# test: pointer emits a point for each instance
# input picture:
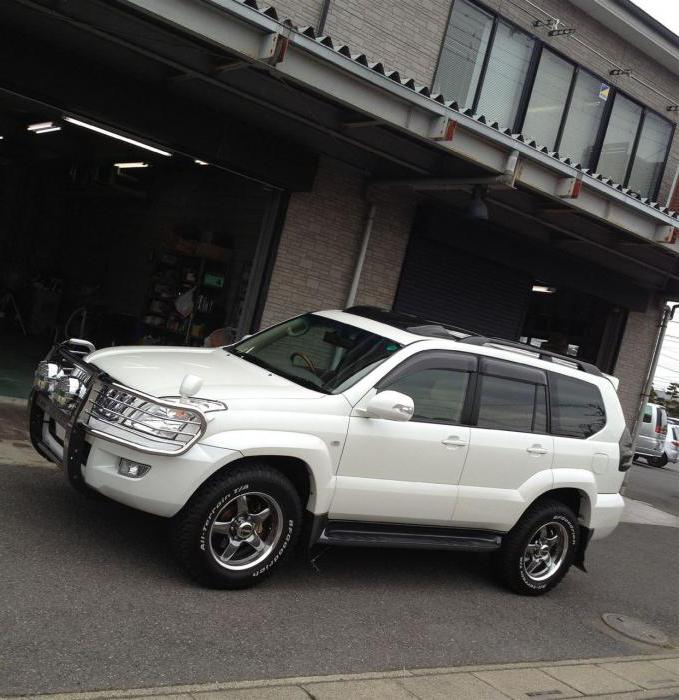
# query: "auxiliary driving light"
(46, 376)
(134, 470)
(67, 391)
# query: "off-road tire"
(191, 528)
(510, 558)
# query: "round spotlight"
(46, 376)
(67, 391)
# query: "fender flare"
(310, 449)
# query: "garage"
(117, 240)
(477, 275)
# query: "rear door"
(578, 416)
(508, 447)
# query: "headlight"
(46, 376)
(162, 421)
(67, 391)
(205, 405)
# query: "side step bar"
(359, 534)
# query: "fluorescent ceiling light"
(47, 131)
(113, 135)
(197, 161)
(541, 289)
(42, 126)
(131, 165)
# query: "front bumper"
(89, 458)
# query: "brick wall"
(404, 35)
(634, 358)
(320, 243)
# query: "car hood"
(159, 371)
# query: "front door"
(408, 472)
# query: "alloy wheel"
(245, 531)
(545, 552)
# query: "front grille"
(128, 417)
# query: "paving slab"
(359, 690)
(291, 692)
(590, 679)
(644, 673)
(451, 685)
(671, 665)
(526, 683)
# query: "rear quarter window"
(577, 408)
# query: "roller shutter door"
(442, 283)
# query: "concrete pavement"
(648, 676)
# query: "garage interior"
(113, 242)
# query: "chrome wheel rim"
(545, 552)
(245, 531)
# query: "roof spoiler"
(613, 380)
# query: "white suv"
(372, 428)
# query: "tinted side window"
(438, 394)
(506, 404)
(647, 414)
(577, 407)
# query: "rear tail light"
(660, 430)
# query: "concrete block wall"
(320, 243)
(634, 357)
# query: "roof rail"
(547, 355)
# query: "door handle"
(537, 450)
(453, 441)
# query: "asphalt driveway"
(90, 597)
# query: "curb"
(616, 667)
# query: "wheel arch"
(296, 469)
(575, 498)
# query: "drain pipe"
(423, 184)
(367, 230)
(668, 315)
(320, 27)
(452, 183)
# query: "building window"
(505, 75)
(464, 52)
(548, 99)
(487, 64)
(584, 119)
(618, 144)
(649, 159)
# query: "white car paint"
(361, 468)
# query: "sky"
(666, 12)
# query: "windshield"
(317, 352)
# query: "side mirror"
(390, 405)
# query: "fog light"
(134, 470)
